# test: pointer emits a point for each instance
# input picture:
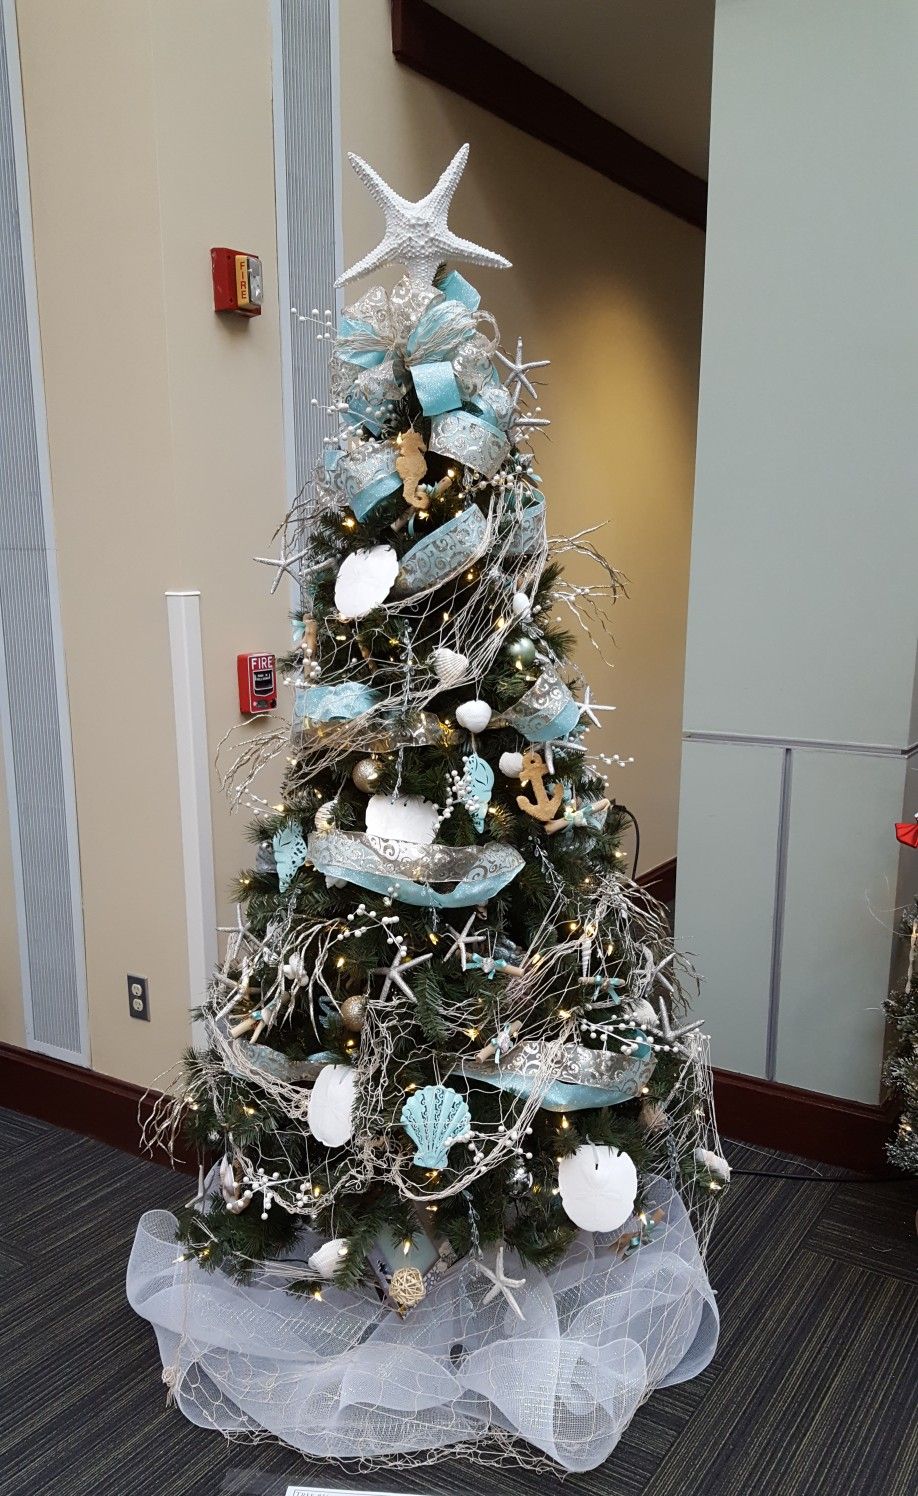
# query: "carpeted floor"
(812, 1391)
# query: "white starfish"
(417, 235)
(518, 377)
(589, 708)
(462, 938)
(502, 1284)
(548, 750)
(672, 1035)
(394, 977)
(283, 563)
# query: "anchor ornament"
(545, 806)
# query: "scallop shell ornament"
(450, 667)
(598, 1187)
(435, 1118)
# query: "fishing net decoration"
(495, 1357)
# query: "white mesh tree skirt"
(346, 1378)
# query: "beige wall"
(609, 288)
(150, 139)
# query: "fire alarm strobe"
(237, 282)
(257, 683)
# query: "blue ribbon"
(456, 288)
(374, 493)
(333, 703)
(436, 387)
(362, 358)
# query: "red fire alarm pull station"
(257, 683)
(237, 282)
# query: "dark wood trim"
(830, 1129)
(438, 47)
(660, 881)
(98, 1106)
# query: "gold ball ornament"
(365, 774)
(406, 1288)
(354, 1012)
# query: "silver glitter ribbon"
(576, 1079)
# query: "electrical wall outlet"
(139, 997)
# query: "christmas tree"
(901, 1072)
(449, 1076)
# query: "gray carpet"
(811, 1393)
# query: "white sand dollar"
(598, 1187)
(331, 1104)
(408, 818)
(474, 716)
(511, 764)
(365, 580)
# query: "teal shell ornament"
(289, 853)
(435, 1118)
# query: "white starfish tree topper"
(417, 235)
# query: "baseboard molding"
(83, 1101)
(829, 1129)
(436, 46)
(661, 881)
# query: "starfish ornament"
(672, 1035)
(393, 975)
(417, 235)
(502, 1284)
(518, 377)
(462, 938)
(589, 708)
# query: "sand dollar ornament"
(365, 580)
(598, 1187)
(331, 1104)
(407, 818)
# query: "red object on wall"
(907, 833)
(237, 282)
(257, 683)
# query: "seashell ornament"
(435, 1118)
(450, 667)
(511, 764)
(326, 1259)
(474, 716)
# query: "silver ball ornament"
(523, 651)
(354, 1012)
(365, 774)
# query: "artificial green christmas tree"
(458, 1109)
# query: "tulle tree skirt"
(346, 1378)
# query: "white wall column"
(800, 703)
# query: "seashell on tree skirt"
(327, 1259)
